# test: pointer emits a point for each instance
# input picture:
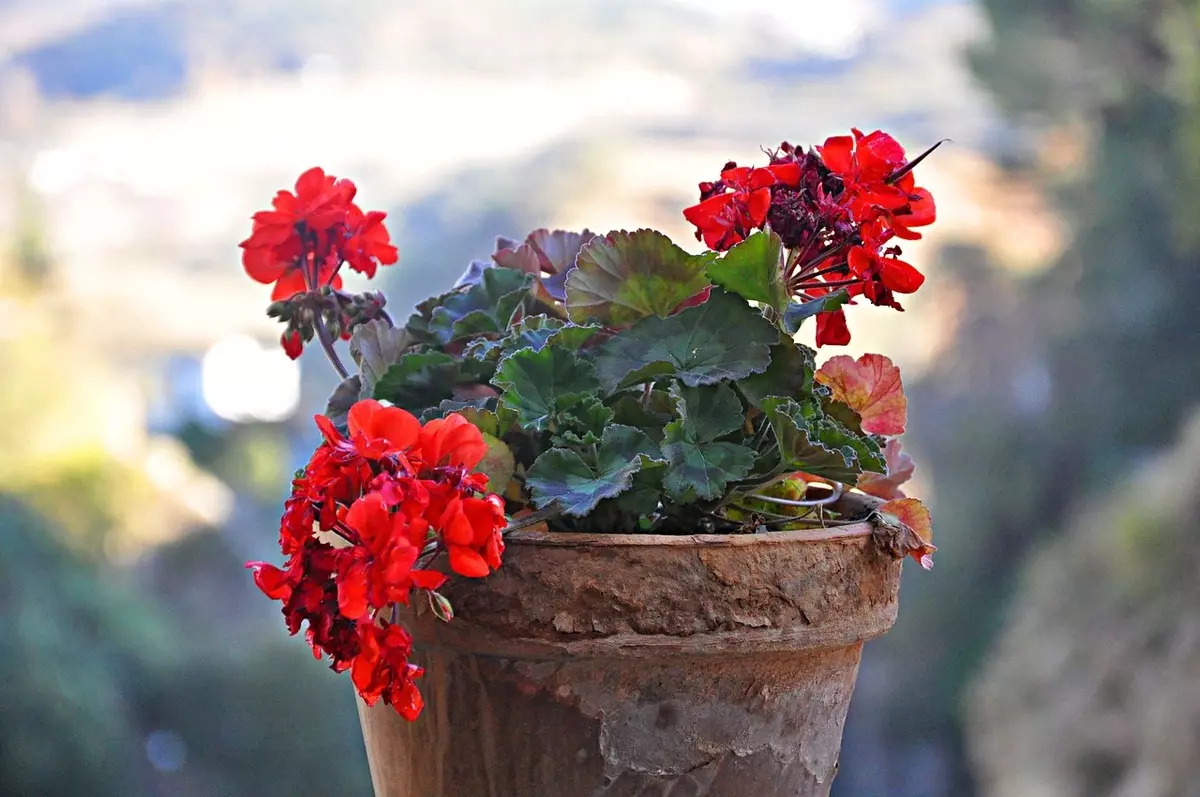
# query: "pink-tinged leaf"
(441, 606)
(900, 469)
(910, 519)
(871, 387)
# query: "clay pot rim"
(566, 539)
(850, 502)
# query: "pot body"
(623, 665)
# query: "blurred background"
(150, 424)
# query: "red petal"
(787, 173)
(408, 702)
(860, 261)
(452, 440)
(263, 265)
(737, 177)
(758, 205)
(358, 419)
(428, 579)
(467, 562)
(291, 283)
(900, 276)
(311, 183)
(922, 211)
(832, 329)
(838, 155)
(702, 214)
(400, 428)
(352, 591)
(328, 430)
(456, 526)
(274, 582)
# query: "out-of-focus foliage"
(1058, 384)
(64, 711)
(93, 673)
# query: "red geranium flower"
(365, 516)
(872, 168)
(296, 235)
(302, 242)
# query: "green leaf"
(753, 269)
(790, 374)
(563, 477)
(649, 418)
(622, 444)
(533, 332)
(700, 466)
(485, 307)
(417, 325)
(724, 338)
(623, 277)
(840, 411)
(492, 418)
(709, 412)
(419, 380)
(374, 346)
(644, 493)
(448, 406)
(580, 421)
(822, 447)
(797, 313)
(533, 382)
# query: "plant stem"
(825, 255)
(804, 286)
(822, 272)
(327, 345)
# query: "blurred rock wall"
(1093, 689)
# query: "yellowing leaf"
(910, 519)
(900, 467)
(871, 387)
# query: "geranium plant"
(588, 383)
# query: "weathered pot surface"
(616, 665)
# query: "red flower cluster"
(836, 208)
(738, 203)
(365, 518)
(303, 241)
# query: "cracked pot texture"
(619, 665)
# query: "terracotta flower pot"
(614, 665)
